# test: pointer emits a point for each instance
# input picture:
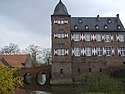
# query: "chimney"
(117, 16)
(117, 20)
(97, 18)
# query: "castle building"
(82, 45)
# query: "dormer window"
(75, 27)
(86, 27)
(118, 27)
(60, 21)
(105, 27)
(96, 27)
(80, 21)
(109, 21)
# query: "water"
(53, 90)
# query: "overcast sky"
(25, 22)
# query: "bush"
(8, 82)
(102, 83)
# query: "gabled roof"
(60, 9)
(96, 24)
(15, 60)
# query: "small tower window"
(86, 27)
(100, 69)
(78, 70)
(75, 27)
(90, 70)
(109, 21)
(61, 71)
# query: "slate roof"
(60, 9)
(96, 24)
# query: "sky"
(26, 22)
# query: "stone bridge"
(36, 78)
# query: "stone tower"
(61, 45)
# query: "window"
(109, 21)
(75, 27)
(122, 51)
(105, 27)
(100, 69)
(96, 27)
(118, 27)
(121, 38)
(80, 21)
(61, 52)
(98, 37)
(107, 38)
(61, 45)
(108, 51)
(76, 37)
(86, 27)
(78, 70)
(99, 51)
(61, 33)
(77, 51)
(60, 21)
(87, 37)
(88, 51)
(90, 70)
(61, 71)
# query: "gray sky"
(25, 22)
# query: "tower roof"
(60, 9)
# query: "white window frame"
(122, 51)
(99, 51)
(87, 37)
(61, 33)
(60, 21)
(61, 52)
(98, 37)
(107, 38)
(121, 38)
(108, 51)
(77, 51)
(88, 51)
(76, 37)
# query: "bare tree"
(46, 56)
(34, 51)
(11, 49)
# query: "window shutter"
(117, 38)
(55, 22)
(72, 37)
(119, 53)
(55, 52)
(81, 37)
(113, 51)
(112, 38)
(55, 35)
(66, 35)
(104, 51)
(103, 37)
(66, 52)
(66, 22)
(92, 37)
(83, 51)
(94, 51)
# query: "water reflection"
(53, 90)
(41, 78)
